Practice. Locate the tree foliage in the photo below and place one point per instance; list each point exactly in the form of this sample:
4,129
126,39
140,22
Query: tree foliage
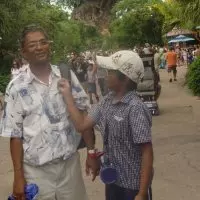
66,34
136,22
182,13
193,77
191,11
128,23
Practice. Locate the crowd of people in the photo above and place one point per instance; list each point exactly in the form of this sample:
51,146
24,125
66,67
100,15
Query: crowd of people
93,77
171,57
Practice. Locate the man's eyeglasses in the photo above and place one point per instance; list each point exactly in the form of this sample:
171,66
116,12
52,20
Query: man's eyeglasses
40,43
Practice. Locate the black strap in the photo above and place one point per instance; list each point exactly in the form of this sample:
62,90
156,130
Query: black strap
65,71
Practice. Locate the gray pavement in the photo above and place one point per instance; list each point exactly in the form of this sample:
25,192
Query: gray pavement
176,146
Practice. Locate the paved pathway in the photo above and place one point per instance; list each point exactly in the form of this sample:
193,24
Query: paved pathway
176,145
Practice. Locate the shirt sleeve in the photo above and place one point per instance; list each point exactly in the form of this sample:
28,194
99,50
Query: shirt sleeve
140,122
81,98
12,118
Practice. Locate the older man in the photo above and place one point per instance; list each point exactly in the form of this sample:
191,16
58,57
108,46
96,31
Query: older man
43,140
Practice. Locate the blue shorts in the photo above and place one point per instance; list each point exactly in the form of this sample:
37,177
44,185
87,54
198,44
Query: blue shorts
114,192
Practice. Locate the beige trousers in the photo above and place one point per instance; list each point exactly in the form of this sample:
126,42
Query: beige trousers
60,180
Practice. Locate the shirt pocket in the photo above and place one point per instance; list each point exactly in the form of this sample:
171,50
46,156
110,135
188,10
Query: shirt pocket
120,127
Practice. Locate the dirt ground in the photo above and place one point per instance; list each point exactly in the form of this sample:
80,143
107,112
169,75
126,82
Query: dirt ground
176,141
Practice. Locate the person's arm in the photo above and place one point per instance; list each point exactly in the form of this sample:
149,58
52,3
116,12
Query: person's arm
146,168
92,164
12,121
81,122
88,135
16,149
140,120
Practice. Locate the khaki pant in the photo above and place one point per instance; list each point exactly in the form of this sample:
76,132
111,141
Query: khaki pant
59,180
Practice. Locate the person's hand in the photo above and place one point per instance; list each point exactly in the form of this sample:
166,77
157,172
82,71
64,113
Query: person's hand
19,188
92,167
140,197
64,87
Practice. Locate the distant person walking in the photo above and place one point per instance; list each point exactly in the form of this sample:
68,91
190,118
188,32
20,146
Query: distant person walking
91,79
163,58
179,55
101,76
185,57
171,58
157,62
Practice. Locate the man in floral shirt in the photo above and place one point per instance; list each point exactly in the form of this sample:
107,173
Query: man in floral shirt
44,141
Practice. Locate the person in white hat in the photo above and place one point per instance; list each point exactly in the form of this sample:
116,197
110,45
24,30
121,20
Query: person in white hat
125,123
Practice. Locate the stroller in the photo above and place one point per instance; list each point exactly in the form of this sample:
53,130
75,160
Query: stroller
149,88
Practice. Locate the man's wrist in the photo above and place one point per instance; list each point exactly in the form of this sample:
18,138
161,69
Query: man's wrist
69,99
90,147
92,153
19,173
143,193
95,154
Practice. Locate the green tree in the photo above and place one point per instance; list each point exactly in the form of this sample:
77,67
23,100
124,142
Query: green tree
184,13
172,12
91,12
190,11
136,22
66,34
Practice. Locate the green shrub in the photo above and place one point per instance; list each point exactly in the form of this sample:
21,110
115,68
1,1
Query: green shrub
193,77
4,80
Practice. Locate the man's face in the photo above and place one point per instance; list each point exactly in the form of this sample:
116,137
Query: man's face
36,49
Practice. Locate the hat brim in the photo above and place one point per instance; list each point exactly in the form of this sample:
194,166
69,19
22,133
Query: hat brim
106,63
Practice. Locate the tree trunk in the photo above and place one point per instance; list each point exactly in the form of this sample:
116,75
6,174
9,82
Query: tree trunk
95,13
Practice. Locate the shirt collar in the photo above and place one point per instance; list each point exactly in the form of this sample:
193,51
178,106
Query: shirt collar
54,72
125,99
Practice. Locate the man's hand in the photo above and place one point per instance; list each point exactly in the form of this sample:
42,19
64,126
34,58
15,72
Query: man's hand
19,187
16,148
64,87
140,197
92,167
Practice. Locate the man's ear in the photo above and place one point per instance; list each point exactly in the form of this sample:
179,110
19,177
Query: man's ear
23,54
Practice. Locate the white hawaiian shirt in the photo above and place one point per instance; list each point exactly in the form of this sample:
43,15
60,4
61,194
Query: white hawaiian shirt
37,113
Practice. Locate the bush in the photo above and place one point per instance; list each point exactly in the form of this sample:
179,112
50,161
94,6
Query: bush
4,80
193,77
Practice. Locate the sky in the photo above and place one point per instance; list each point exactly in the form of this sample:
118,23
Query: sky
65,8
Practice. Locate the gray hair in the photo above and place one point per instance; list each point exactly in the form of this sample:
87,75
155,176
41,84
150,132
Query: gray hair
29,29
